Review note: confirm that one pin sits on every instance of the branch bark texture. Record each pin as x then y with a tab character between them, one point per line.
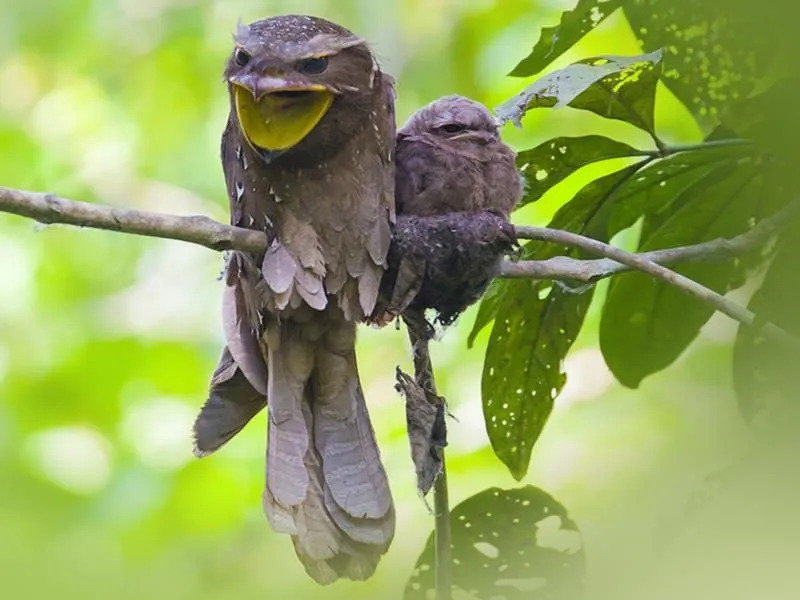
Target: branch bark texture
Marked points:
52	209
593	270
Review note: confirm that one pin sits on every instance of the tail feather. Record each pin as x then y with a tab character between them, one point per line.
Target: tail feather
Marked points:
339	510
232	402
287	476
280	517
290	361
357	561
321	571
375	532
329	542
342	433
317	536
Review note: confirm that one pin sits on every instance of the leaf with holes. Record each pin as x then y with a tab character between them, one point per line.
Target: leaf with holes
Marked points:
487	309
646	324
512	544
534	327
553	161
713	56
554	41
614	87
765	373
651	191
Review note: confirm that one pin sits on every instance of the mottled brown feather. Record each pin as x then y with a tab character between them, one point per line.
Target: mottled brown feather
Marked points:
456	184
327	204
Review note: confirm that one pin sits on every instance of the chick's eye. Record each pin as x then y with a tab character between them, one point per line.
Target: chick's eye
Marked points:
313	66
452	127
241	57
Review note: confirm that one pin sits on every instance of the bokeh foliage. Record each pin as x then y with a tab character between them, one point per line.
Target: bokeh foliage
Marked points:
107	341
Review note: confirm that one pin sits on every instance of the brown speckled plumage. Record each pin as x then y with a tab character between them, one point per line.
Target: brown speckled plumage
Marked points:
456	183
290	315
444	262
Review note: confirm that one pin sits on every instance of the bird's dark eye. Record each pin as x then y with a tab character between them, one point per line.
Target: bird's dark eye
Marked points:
313	66
241	57
452	127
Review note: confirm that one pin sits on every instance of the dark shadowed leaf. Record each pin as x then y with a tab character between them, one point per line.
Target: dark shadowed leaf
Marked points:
716	52
647	324
554	41
512	544
657	190
615	87
765	373
553	161
771	120
535	324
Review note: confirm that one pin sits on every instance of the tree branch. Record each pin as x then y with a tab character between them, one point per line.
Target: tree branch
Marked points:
641	262
590	271
48	209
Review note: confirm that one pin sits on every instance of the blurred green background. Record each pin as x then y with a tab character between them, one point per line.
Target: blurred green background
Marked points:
107	341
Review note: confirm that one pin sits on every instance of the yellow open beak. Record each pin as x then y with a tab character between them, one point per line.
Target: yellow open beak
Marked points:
279	119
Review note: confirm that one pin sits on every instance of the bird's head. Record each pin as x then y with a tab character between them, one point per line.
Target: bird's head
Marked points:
453	119
292	75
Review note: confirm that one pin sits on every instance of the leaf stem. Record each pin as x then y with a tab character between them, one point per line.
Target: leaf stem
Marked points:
664	150
420	333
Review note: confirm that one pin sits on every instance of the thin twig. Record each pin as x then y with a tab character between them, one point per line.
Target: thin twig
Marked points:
420	333
640	262
590	271
48	209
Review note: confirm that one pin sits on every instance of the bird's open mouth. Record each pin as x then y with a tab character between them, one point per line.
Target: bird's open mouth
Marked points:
294	94
279	119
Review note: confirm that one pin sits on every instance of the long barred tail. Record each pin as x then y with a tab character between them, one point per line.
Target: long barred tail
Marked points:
325	485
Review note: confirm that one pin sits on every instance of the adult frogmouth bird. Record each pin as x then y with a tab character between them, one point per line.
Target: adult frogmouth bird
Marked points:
456	184
308	157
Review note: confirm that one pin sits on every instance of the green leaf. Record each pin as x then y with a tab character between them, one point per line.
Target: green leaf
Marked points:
659	187
517	544
714	55
554	41
615	87
553	161
771	120
652	192
765	373
647	324
487	309
535	325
